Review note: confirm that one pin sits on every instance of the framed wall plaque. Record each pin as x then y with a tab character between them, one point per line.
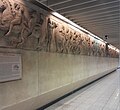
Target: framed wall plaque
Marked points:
10	67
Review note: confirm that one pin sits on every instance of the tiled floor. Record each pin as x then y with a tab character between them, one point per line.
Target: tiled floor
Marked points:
104	94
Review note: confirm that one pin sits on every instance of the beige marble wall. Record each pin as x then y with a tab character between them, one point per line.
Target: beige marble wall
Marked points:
46	72
17	91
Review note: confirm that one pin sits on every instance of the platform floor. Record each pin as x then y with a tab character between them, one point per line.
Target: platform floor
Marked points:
103	94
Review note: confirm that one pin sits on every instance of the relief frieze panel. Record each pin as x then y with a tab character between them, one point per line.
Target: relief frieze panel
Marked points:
24	27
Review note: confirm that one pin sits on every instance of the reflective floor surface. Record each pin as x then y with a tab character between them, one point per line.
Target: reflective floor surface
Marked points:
103	94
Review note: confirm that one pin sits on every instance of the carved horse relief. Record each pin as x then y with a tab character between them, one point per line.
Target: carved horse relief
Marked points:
11	16
6	15
17	19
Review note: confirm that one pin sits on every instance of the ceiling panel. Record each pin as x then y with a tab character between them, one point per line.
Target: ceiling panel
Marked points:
101	17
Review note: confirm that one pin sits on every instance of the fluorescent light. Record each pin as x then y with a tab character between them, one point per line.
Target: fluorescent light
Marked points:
60	3
110	46
60	16
78	30
67	20
114	48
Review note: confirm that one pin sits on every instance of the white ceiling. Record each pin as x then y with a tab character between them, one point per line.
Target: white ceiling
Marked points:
101	17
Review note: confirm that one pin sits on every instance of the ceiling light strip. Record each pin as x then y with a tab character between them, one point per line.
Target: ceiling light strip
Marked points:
101	9
59	3
75	5
65	12
114	18
92	18
94	14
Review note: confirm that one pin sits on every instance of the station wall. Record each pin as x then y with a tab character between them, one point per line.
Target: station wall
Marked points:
57	58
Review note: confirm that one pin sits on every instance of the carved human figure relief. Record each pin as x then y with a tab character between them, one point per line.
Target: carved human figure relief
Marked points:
73	42
103	50
31	26
100	50
67	41
37	32
93	47
85	44
79	41
88	44
70	40
50	27
60	39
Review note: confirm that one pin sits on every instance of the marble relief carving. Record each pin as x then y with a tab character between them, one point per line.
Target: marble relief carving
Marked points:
17	23
26	28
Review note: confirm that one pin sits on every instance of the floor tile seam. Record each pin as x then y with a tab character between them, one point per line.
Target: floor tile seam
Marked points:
107	102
